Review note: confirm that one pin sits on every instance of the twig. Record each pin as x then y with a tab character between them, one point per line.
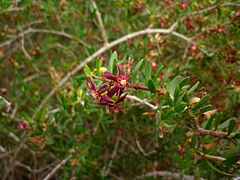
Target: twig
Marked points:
106	172
209	9
215	133
142	101
167	174
30	30
215	158
8	104
198	137
131	147
12	9
142	150
57	167
99	18
102	50
23	48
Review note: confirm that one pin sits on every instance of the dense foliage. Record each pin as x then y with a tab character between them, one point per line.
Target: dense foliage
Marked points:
119	89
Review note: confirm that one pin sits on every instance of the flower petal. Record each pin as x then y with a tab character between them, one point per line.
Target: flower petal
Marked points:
113	90
136	86
120	99
91	84
111	76
120	69
102	89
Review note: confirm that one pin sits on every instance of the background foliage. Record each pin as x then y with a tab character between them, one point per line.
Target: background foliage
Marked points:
41	42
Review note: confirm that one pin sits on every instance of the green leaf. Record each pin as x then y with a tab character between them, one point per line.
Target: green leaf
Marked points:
209	122
226	123
201	102
180	107
218	119
87	70
173	84
147	70
193	88
206	108
231	126
49	139
169	99
151	86
231	160
98	64
183	82
158	73
232	151
218	170
113	62
180	97
166	74
137	67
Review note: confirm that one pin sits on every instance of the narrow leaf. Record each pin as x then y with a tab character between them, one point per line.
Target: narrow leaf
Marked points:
87	70
137	67
147	70
151	86
226	123
173	84
231	160
193	88
218	170
112	61
231	126
158	73
183	82
201	102
180	108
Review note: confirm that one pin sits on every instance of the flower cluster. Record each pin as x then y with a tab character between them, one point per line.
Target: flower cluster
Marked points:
113	93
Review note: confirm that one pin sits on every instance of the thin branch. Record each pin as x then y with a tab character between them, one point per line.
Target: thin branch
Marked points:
209	9
215	133
99	18
168	174
142	101
106	172
30	30
215	158
8	104
57	167
12	9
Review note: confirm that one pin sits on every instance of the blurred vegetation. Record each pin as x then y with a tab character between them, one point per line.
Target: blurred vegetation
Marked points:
42	41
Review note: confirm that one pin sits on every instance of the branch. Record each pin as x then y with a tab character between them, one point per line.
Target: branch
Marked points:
167	174
12	9
209	9
8	104
105	48
105	173
215	158
142	101
100	22
57	167
30	30
215	133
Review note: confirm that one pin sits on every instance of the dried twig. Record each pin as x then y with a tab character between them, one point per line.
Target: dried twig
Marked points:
12	9
215	133
98	14
31	30
57	167
106	172
8	104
